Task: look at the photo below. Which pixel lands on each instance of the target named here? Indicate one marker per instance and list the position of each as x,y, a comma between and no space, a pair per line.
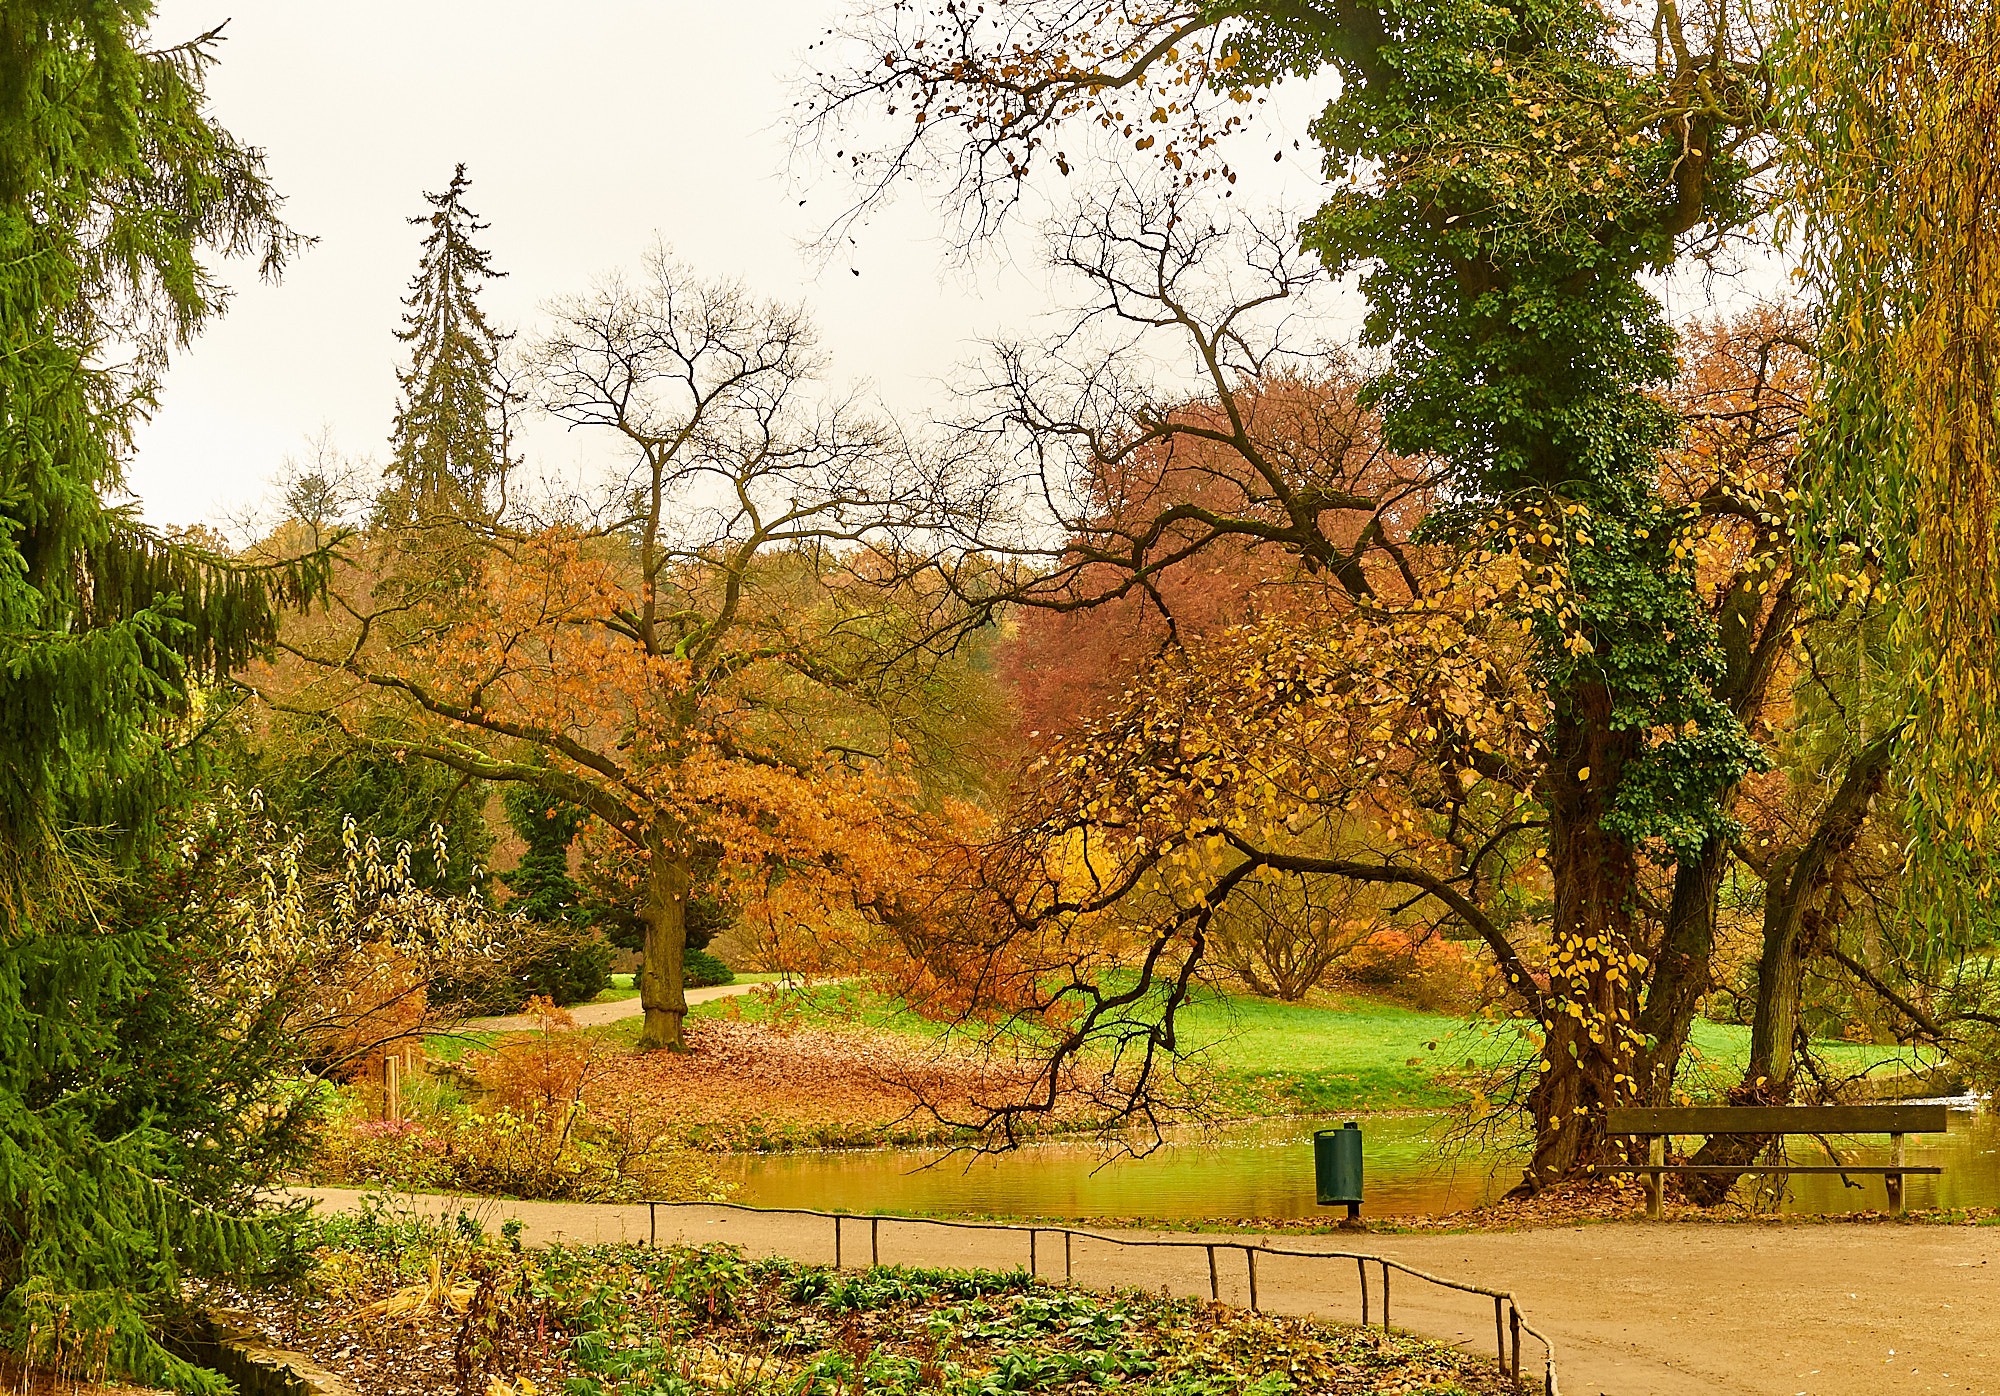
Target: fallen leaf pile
754,1085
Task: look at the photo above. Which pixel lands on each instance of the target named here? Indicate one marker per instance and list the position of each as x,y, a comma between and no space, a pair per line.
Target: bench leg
1656,1154
1895,1180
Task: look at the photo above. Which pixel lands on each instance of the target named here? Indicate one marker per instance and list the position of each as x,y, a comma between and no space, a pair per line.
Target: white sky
588,128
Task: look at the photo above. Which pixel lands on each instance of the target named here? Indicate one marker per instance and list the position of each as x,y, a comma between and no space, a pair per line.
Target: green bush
705,971
570,965
565,963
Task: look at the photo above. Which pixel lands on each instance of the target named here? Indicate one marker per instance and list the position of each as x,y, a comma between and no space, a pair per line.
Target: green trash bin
1337,1167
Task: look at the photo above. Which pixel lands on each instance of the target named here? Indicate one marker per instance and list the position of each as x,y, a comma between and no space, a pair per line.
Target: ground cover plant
399,1303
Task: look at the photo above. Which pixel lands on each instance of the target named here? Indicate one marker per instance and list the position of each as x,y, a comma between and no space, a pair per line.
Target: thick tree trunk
663,967
1781,977
1587,1054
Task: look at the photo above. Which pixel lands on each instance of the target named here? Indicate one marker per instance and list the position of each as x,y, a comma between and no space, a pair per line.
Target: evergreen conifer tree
447,447
114,183
542,887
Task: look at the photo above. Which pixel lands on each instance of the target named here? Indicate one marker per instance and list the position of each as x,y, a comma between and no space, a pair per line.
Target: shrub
1424,968
555,960
532,1136
569,964
501,1153
704,970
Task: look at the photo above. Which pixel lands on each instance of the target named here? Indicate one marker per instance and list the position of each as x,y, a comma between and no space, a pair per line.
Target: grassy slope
1339,1052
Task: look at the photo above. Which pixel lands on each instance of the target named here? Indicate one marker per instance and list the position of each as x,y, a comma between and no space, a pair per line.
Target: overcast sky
588,128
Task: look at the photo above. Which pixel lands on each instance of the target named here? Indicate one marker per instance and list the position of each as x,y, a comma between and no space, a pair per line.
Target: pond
1264,1169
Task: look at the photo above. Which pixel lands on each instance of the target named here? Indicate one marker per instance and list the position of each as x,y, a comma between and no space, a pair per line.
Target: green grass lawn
1338,1052
1345,1052
452,1047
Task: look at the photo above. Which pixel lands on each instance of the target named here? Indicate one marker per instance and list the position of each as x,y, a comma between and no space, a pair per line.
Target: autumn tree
1888,109
1440,789
700,660
1504,179
1388,737
1070,658
1823,836
1070,653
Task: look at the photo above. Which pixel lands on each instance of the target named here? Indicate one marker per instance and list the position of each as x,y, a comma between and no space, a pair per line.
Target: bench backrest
1778,1119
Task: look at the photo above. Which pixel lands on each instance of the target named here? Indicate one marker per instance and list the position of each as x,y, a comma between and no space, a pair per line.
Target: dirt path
591,1015
1634,1309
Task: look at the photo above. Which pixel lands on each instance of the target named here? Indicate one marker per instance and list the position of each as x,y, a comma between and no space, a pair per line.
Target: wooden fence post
392,1087
1656,1154
1895,1180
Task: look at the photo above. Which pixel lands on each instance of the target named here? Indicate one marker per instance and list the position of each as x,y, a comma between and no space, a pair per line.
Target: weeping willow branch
1892,110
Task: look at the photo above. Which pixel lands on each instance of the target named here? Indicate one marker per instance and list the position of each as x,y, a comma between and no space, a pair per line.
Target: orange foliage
366,1003
1064,663
704,663
542,1075
1424,967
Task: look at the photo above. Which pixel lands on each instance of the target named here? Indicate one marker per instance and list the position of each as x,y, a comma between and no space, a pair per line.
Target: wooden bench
1656,1124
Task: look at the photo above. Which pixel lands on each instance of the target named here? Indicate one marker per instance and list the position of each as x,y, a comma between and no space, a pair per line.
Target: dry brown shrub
542,1075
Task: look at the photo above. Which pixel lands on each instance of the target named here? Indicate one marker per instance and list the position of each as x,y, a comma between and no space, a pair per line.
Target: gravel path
591,1015
1667,1309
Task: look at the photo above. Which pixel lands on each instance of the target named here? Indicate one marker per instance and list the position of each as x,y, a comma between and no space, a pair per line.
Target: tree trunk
663,967
1587,1053
1767,1080
1681,972
1781,977
1798,903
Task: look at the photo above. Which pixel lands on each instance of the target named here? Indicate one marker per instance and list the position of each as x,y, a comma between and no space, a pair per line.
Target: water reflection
1264,1169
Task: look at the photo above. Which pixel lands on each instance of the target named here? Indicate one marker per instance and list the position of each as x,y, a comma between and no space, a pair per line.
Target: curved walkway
591,1015
1634,1309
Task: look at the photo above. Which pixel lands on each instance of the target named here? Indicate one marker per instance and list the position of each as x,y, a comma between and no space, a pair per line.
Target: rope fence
1509,1328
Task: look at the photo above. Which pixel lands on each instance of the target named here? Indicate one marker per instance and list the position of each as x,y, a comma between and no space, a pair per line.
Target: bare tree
703,655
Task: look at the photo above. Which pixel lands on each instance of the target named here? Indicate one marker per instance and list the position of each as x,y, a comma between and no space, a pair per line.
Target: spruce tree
447,446
542,887
114,184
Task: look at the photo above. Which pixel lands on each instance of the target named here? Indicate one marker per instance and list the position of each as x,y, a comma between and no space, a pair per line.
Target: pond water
1264,1169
